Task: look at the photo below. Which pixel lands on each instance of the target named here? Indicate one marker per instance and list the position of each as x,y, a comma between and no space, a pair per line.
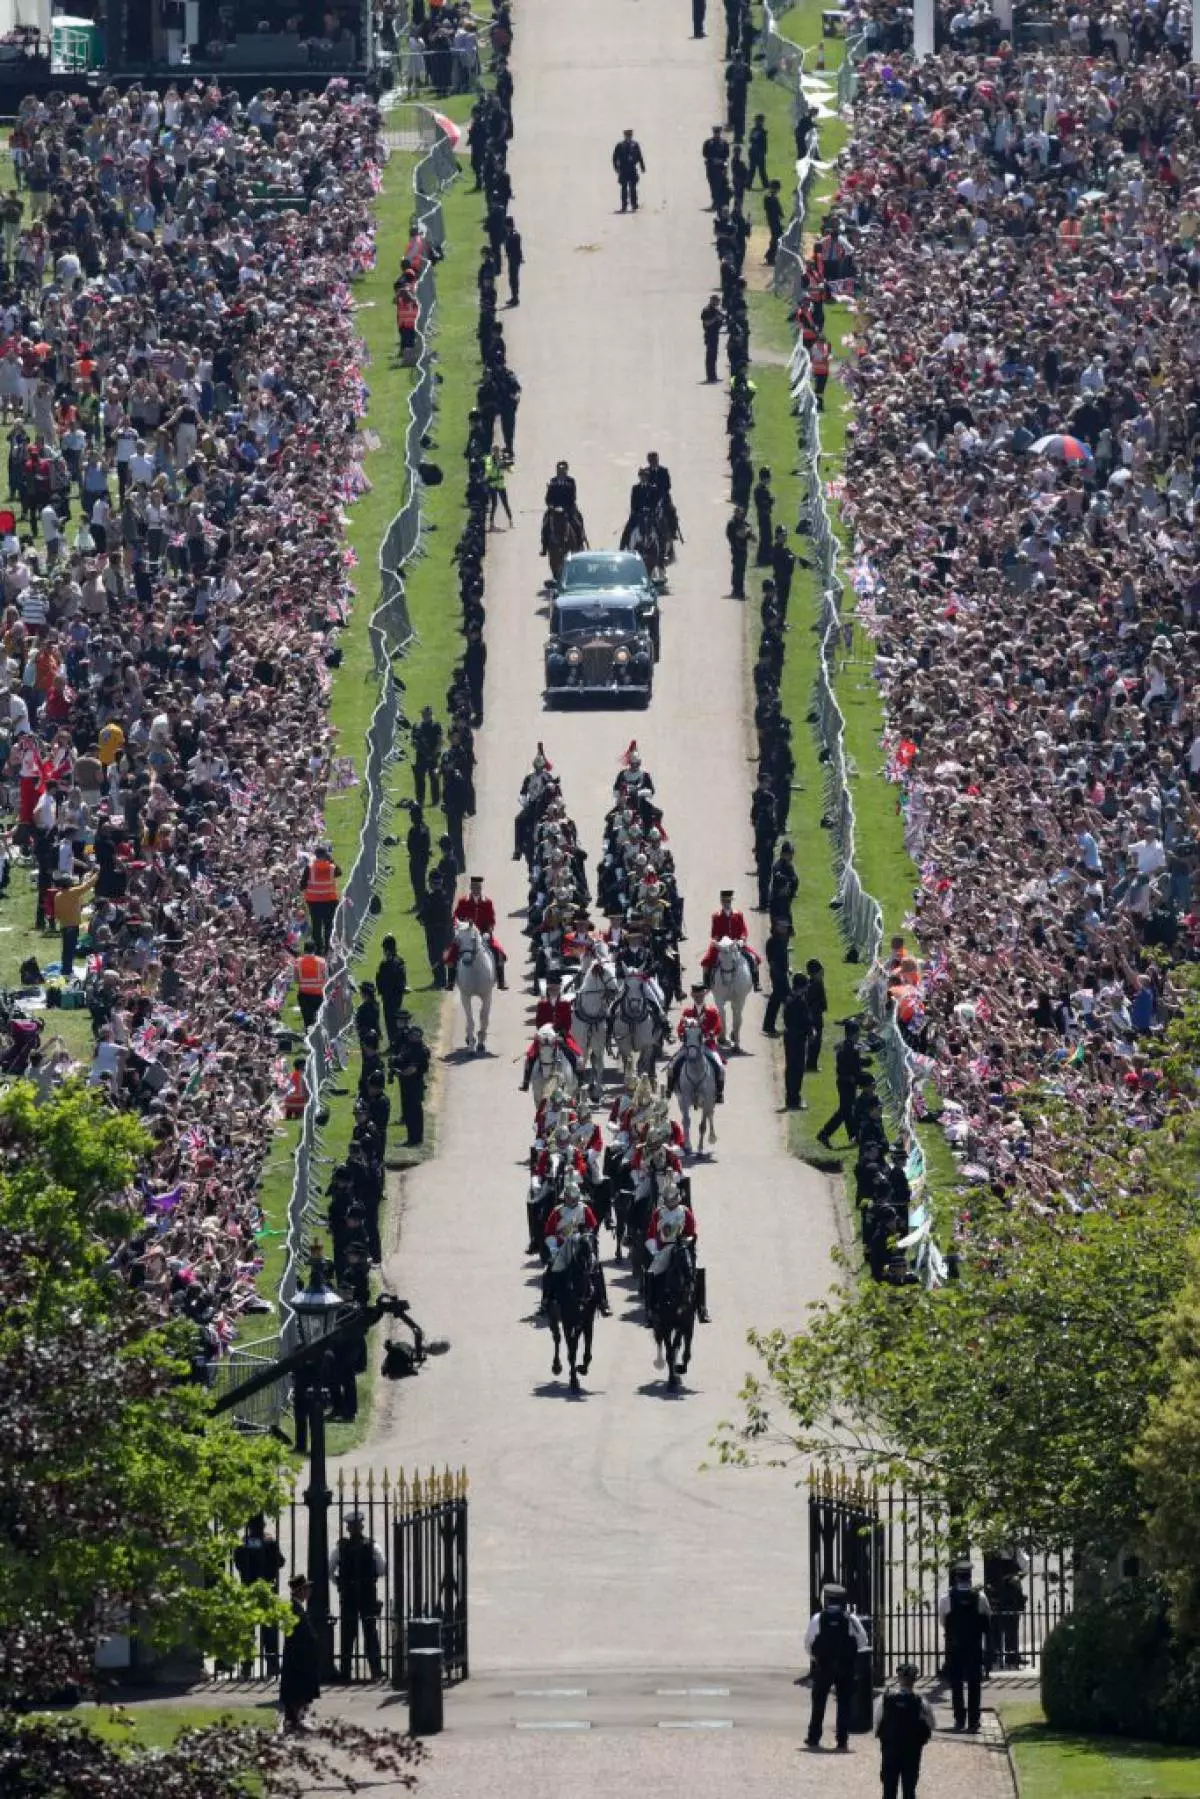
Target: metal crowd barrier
391,634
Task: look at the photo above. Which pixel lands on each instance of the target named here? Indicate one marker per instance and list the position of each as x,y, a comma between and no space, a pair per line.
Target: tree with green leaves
120,1495
1017,1392
1167,1457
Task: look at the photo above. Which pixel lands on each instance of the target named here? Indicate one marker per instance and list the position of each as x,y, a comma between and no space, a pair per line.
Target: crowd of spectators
181,375
1094,28
441,47
1024,236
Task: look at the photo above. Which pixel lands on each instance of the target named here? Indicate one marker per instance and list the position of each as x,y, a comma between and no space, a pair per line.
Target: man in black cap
715,152
797,1024
628,161
300,1673
833,1640
258,1557
419,845
785,882
434,914
712,323
762,822
391,984
904,1724
410,1064
357,1566
777,967
966,1620
427,749
849,1070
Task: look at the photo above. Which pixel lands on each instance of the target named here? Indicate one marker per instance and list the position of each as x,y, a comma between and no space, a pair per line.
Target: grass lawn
801,24
156,1724
1053,1765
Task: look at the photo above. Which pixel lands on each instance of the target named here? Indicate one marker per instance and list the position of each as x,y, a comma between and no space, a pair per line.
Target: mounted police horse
562,535
475,978
573,1303
672,1311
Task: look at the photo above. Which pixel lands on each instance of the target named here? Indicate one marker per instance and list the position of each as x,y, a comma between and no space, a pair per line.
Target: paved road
597,1543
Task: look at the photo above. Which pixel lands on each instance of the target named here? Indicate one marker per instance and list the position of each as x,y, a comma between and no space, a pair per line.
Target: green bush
1113,1669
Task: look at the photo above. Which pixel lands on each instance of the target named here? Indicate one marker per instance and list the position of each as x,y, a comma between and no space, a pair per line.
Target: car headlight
621,656
575,657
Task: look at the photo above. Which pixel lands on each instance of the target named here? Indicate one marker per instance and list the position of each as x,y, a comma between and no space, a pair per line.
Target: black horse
573,1303
544,1195
673,1310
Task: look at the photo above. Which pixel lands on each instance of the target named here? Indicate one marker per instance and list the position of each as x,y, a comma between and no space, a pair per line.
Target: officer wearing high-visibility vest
320,888
310,976
408,313
819,360
497,485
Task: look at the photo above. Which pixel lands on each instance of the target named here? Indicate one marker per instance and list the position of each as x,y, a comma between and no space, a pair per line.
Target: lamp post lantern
318,1311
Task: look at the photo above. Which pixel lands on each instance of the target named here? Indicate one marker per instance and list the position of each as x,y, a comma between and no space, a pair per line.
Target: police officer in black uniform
434,914
391,984
762,822
628,161
357,1565
259,1557
410,1064
797,1024
427,748
785,882
738,534
419,845
712,322
773,215
966,1620
715,151
833,1640
778,968
903,1725
849,1069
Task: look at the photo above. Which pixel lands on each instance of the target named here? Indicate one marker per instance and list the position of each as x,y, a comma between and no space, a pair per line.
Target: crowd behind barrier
1022,235
183,380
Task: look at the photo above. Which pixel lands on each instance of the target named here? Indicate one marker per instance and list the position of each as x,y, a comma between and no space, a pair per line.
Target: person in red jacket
727,923
555,1010
673,1220
704,1012
476,908
572,1214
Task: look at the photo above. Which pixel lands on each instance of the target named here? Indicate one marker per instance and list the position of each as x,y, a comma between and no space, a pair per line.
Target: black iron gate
418,1524
892,1553
429,1568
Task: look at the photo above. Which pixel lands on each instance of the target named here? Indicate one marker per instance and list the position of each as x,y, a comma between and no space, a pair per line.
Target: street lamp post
318,1311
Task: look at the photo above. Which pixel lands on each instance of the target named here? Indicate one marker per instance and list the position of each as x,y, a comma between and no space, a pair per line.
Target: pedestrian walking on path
629,163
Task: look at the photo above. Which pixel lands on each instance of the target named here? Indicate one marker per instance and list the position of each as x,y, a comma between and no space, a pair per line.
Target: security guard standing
833,1640
779,971
797,1025
966,1620
434,914
903,1725
715,152
773,214
738,534
320,889
699,10
357,1565
419,845
427,748
310,978
712,323
785,882
628,161
410,1061
762,822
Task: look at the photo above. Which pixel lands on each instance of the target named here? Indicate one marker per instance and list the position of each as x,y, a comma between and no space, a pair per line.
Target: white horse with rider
696,1087
590,997
634,1022
729,984
551,1063
475,979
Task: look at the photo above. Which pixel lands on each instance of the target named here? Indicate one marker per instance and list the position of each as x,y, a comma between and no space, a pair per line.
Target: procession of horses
607,1156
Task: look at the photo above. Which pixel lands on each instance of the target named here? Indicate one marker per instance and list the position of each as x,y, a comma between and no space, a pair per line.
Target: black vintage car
599,646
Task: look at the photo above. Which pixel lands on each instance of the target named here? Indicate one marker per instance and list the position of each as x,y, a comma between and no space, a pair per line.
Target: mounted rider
562,496
672,1222
638,981
476,908
568,1218
537,789
634,787
561,1144
553,1014
703,1012
728,923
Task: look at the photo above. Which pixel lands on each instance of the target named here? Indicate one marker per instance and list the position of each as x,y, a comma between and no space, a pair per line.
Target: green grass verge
883,863
802,25
1051,1764
432,598
157,1724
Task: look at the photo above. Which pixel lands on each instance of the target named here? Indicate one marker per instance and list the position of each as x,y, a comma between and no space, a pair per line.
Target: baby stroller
24,1036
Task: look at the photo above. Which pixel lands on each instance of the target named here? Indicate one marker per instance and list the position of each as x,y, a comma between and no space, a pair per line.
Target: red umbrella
453,132
1063,449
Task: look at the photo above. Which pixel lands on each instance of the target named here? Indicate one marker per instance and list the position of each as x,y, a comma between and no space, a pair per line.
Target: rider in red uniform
477,909
701,1010
571,1214
555,1010
674,1220
731,924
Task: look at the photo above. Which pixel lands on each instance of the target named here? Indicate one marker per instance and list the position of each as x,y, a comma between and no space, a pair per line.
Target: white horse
634,1030
696,1087
475,978
551,1063
731,982
589,1013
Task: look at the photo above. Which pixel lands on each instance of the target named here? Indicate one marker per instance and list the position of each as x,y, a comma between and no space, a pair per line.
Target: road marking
695,1724
552,1724
550,1693
692,1693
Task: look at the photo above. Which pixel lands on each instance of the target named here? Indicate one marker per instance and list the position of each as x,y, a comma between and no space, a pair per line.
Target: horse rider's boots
543,1310
501,974
602,1293
702,1296
451,976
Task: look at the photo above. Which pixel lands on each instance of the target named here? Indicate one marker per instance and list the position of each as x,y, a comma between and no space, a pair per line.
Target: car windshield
610,568
587,618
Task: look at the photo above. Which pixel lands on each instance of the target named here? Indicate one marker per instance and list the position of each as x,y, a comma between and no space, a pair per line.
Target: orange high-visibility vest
322,882
311,972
